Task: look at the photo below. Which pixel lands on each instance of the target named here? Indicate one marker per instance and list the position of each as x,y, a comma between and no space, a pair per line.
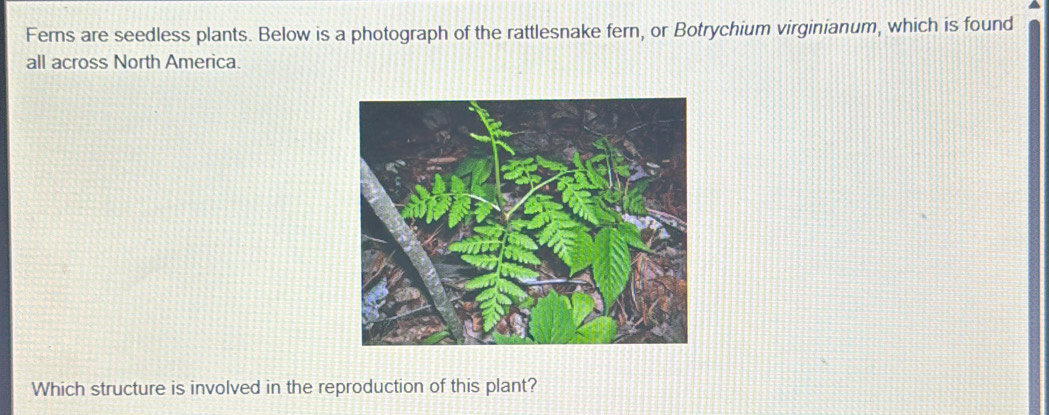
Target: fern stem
495,165
482,200
537,187
502,245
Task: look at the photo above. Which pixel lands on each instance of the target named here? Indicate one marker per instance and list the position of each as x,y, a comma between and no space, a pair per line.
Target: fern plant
573,209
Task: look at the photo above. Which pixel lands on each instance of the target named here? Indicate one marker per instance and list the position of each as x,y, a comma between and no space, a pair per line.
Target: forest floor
408,143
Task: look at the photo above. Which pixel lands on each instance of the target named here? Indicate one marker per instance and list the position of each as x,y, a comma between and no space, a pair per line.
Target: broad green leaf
611,265
467,165
632,236
582,305
599,331
481,172
551,320
581,253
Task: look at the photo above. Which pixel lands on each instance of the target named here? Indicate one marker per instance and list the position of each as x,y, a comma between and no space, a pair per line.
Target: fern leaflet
611,265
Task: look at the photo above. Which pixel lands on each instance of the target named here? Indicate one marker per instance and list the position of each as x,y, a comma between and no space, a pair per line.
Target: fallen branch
380,202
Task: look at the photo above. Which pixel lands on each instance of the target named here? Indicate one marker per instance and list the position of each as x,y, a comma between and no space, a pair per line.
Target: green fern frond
504,246
414,209
476,244
539,203
522,240
459,210
506,147
460,206
581,202
495,298
634,204
449,198
512,270
560,236
482,281
603,144
495,129
481,138
634,201
522,172
492,231
485,262
423,193
577,161
511,290
556,229
520,254
550,164
596,178
481,211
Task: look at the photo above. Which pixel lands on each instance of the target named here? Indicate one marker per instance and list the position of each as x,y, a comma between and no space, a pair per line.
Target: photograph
524,222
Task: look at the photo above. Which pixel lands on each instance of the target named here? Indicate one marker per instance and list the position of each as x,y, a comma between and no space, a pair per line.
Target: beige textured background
857,210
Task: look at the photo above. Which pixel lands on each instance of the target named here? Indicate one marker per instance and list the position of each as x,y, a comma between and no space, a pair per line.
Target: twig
636,114
587,129
669,220
410,312
373,239
557,281
652,123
